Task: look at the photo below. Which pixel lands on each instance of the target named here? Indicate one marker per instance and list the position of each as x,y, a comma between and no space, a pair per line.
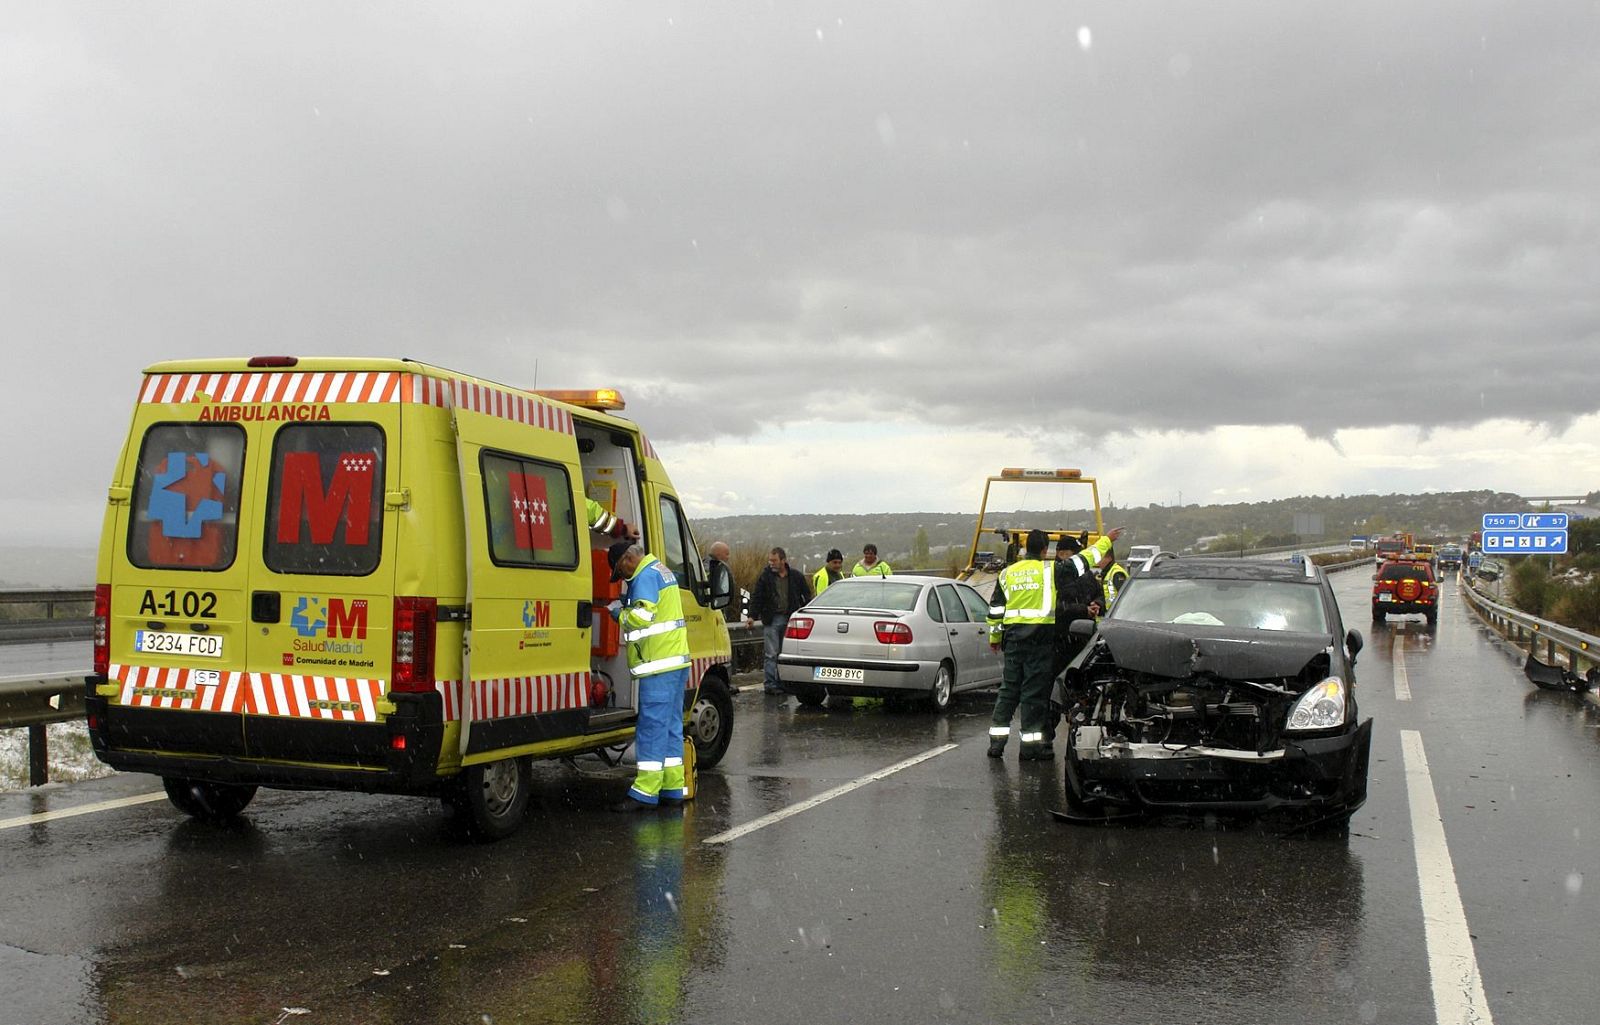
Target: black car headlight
1323,707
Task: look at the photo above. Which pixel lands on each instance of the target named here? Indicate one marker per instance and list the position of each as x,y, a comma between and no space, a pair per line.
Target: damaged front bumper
1319,776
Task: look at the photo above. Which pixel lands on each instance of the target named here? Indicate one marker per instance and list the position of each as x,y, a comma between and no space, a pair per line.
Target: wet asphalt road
943,892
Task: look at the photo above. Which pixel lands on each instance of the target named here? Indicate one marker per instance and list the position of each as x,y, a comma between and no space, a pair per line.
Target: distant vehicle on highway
1143,553
1405,586
1450,556
1488,569
902,637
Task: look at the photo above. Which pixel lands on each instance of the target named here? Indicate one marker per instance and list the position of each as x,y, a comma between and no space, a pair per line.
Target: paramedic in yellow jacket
603,522
657,639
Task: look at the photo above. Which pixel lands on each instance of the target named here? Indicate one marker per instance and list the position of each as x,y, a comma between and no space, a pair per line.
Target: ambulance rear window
325,500
529,510
186,497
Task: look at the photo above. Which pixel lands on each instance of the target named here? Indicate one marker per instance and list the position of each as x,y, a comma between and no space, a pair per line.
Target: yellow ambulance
377,575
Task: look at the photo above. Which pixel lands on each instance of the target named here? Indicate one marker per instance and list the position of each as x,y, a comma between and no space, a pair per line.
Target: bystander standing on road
832,572
778,593
870,565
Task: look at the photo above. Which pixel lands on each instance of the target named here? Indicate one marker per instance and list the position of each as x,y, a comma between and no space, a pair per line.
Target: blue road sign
1525,542
1544,521
1502,521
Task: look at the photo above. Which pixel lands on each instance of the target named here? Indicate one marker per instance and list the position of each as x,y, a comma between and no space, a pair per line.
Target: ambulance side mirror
721,587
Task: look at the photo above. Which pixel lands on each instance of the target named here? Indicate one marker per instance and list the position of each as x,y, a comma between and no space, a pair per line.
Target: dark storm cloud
1341,217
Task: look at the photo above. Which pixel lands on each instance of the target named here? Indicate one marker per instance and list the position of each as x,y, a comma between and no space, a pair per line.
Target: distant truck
1359,542
1143,553
1450,556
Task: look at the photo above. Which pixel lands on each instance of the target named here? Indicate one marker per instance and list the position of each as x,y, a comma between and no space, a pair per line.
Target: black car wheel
492,798
711,722
811,697
209,802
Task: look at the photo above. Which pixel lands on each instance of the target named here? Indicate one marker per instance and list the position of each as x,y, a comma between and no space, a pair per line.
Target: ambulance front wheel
209,802
492,797
711,721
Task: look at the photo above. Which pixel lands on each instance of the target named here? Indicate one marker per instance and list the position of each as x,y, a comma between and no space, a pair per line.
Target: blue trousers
772,637
658,739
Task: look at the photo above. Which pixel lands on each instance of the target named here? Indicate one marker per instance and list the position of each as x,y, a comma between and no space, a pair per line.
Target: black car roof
1230,569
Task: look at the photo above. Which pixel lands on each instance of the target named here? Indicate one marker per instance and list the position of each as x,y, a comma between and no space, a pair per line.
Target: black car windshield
876,593
1395,572
1247,604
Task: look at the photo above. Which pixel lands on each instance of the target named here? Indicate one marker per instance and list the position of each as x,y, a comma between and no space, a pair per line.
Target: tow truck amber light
273,361
598,399
892,633
102,628
414,621
799,627
1019,473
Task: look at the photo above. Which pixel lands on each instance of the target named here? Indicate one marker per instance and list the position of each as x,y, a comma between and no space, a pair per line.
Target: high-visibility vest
653,627
1112,582
821,579
877,569
1029,587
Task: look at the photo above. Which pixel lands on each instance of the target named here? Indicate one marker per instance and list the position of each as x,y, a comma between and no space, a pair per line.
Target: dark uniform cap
1070,542
614,555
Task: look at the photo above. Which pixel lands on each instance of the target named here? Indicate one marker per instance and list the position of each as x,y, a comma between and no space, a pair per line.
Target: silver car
895,637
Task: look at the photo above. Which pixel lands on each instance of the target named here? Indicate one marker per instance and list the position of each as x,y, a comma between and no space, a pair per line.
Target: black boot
997,747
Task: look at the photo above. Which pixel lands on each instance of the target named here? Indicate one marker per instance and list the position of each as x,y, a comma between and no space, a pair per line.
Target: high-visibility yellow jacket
651,616
877,569
822,578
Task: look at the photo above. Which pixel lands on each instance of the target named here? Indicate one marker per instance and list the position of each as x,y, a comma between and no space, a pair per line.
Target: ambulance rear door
322,565
526,652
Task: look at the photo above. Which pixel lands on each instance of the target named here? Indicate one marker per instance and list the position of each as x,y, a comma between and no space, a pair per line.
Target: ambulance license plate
163,642
841,675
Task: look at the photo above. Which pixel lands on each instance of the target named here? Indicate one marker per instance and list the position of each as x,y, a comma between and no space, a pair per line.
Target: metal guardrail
46,615
1520,628
35,702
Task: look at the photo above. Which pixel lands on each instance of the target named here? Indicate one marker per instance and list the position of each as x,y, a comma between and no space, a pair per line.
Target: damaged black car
1216,685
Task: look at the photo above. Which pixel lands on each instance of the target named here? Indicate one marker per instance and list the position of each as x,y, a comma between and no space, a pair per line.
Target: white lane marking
1402,683
827,795
84,809
1457,985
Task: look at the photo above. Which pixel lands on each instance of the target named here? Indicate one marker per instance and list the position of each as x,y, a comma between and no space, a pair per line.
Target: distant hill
808,537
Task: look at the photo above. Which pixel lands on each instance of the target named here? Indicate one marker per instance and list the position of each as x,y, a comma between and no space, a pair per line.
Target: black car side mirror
1353,641
721,584
1080,629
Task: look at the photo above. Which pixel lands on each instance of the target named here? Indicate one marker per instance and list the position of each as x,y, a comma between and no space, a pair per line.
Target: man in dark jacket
778,593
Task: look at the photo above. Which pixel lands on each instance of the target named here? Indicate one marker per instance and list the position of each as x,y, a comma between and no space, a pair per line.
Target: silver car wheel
943,694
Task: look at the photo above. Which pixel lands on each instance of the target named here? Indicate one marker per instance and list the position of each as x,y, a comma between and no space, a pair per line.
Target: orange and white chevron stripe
272,388
171,687
305,697
386,386
314,697
519,695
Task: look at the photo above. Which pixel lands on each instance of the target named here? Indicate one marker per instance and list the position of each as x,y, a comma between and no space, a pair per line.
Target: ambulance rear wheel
209,802
711,722
493,797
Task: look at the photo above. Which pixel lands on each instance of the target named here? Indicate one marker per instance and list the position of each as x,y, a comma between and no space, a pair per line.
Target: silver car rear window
876,593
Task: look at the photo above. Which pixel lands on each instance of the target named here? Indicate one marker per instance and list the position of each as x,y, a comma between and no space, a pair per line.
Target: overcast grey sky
841,257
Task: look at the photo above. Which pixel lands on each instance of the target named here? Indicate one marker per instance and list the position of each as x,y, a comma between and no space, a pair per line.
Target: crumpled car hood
1178,651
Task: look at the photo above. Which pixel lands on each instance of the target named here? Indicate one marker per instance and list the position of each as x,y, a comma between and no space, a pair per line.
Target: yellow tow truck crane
1015,536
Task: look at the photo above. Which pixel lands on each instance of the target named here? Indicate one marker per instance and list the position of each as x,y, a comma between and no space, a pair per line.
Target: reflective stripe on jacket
652,621
599,519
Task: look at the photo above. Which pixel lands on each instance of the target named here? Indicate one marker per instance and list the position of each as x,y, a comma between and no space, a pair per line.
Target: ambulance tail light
272,361
102,629
799,627
414,621
890,632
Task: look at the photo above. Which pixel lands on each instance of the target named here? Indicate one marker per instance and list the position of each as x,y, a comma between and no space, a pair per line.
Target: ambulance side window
678,550
529,511
185,511
325,500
